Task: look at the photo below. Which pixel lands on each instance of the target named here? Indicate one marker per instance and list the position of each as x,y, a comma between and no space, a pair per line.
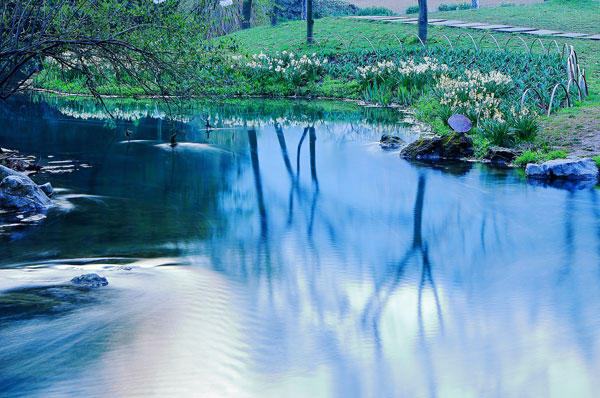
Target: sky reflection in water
297,261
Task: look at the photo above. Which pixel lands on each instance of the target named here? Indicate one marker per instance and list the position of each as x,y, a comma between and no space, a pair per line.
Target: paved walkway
482,26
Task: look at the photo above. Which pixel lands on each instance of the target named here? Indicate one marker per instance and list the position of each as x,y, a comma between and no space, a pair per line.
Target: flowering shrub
287,65
408,74
477,95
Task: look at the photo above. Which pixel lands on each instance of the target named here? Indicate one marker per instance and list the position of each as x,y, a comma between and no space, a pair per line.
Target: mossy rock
449,146
391,142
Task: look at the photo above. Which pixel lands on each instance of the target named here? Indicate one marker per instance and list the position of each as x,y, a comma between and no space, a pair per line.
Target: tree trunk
274,16
423,20
303,12
246,13
309,21
474,4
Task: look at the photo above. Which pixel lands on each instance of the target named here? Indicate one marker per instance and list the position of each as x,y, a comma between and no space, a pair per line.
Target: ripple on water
155,330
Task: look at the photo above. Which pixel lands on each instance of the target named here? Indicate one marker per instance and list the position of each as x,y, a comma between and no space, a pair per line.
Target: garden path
481,26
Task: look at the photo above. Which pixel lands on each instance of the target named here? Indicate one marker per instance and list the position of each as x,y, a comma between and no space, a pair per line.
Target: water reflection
302,261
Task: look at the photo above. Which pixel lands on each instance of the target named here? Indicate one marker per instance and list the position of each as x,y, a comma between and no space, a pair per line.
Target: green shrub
507,5
496,132
464,6
376,11
597,160
412,10
525,128
333,8
447,7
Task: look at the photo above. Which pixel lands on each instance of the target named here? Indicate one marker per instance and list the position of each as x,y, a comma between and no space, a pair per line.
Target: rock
537,171
449,146
501,155
90,280
47,189
18,192
5,172
569,169
15,164
391,142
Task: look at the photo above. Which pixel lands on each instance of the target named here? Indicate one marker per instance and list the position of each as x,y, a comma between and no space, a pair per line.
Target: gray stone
20,193
571,35
488,27
515,30
536,171
501,155
47,189
448,146
542,32
391,142
90,280
5,172
569,169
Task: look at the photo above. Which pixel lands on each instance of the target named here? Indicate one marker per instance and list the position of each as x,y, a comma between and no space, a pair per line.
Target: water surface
285,254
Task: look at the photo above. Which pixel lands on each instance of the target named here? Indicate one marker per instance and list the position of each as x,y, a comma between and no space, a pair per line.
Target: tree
136,42
423,20
309,21
246,14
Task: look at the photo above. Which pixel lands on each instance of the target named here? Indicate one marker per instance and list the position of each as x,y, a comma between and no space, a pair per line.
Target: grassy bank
350,58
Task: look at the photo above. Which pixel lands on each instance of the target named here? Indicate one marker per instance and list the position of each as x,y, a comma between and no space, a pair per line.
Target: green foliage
481,146
333,8
496,133
538,157
412,10
525,127
378,93
447,7
375,10
597,160
464,6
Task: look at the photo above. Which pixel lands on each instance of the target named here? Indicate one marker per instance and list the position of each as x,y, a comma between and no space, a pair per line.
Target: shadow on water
318,264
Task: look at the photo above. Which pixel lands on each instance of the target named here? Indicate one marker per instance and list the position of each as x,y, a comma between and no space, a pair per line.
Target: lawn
566,129
580,16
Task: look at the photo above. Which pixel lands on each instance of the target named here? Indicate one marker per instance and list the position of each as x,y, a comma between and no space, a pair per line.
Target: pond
284,254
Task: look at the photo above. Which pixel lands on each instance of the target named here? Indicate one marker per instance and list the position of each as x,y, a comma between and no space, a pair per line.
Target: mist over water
285,254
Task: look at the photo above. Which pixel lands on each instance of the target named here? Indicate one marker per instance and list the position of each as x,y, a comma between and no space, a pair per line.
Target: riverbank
331,70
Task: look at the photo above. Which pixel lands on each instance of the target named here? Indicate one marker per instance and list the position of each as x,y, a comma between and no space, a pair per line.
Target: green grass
334,34
538,157
340,34
581,16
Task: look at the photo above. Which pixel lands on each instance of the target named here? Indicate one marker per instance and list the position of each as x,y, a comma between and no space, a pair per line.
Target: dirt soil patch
577,132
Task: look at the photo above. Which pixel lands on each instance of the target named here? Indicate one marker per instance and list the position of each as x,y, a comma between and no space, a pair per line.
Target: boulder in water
569,169
449,146
388,141
47,189
19,192
500,155
90,280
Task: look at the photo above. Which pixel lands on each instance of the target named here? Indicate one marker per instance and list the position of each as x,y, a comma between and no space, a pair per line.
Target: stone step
542,32
514,30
